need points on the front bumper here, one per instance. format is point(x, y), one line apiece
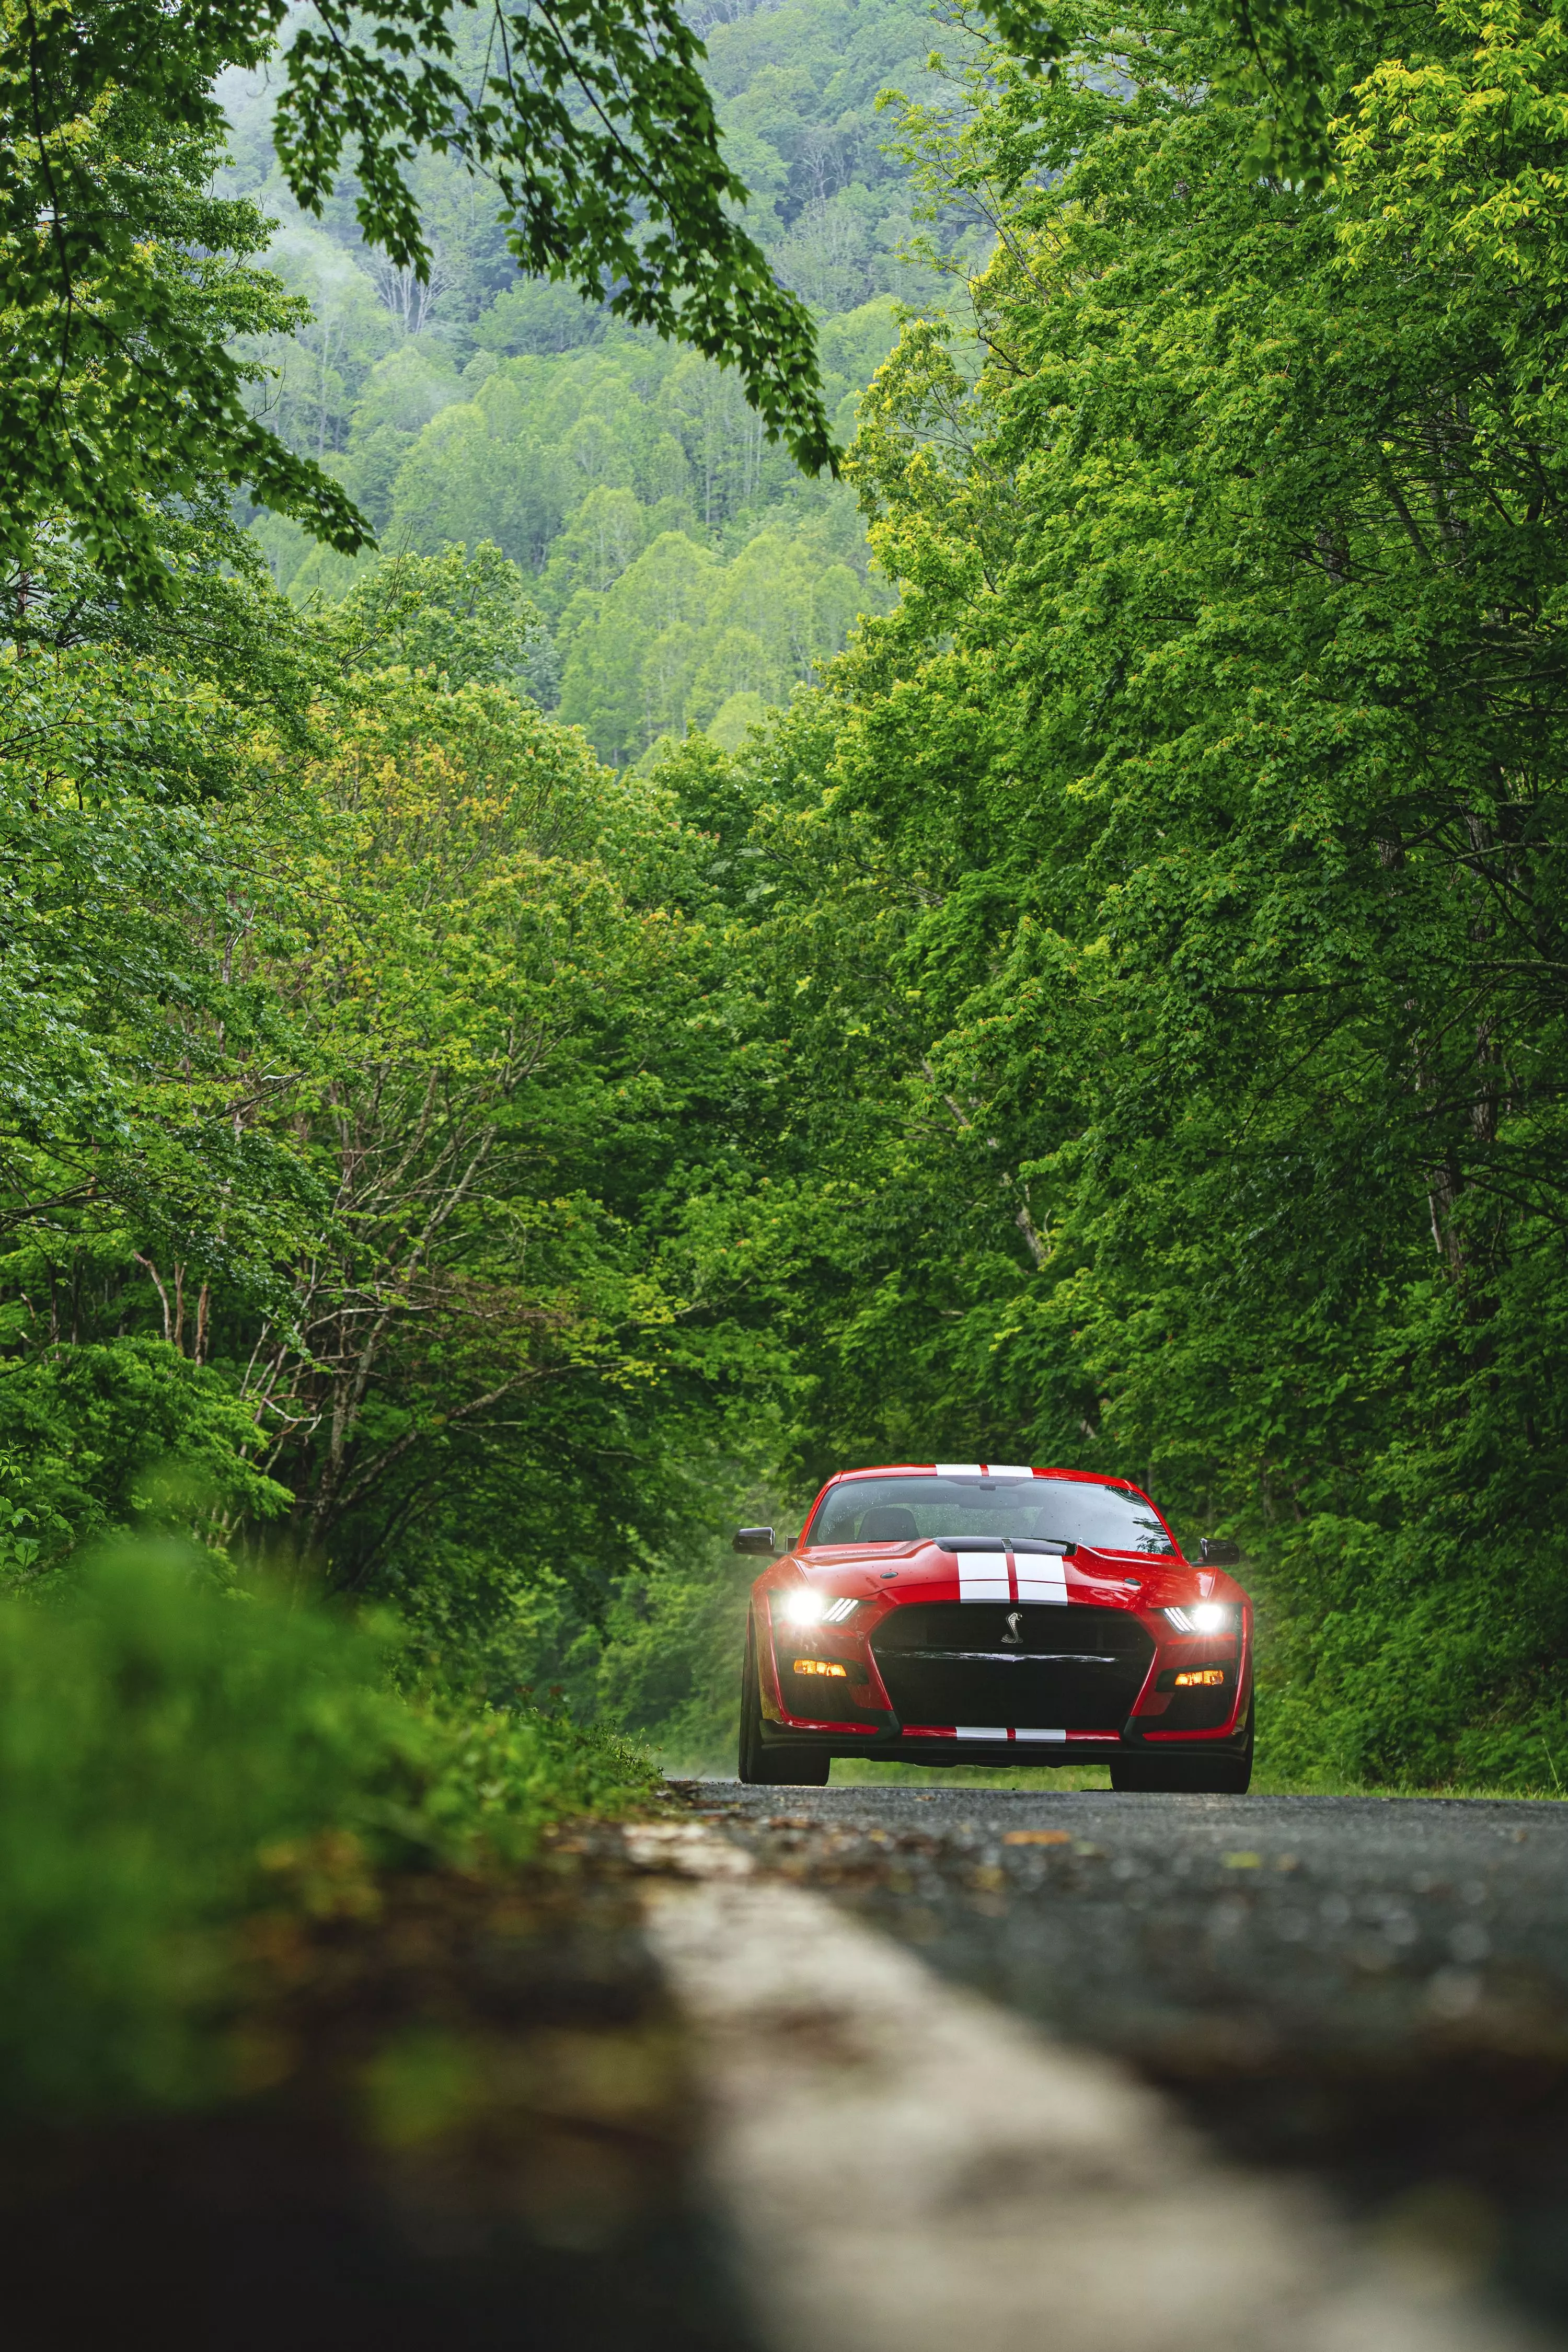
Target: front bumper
point(971, 1745)
point(1107, 1711)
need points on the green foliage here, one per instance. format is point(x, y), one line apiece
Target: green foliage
point(1116, 1017)
point(578, 469)
point(110, 1434)
point(634, 487)
point(1283, 54)
point(467, 618)
point(477, 408)
point(668, 1667)
point(677, 636)
point(1158, 917)
point(377, 1110)
point(174, 1759)
point(129, 836)
point(663, 1662)
point(594, 125)
point(124, 281)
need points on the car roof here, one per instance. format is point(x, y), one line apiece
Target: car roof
point(982, 1470)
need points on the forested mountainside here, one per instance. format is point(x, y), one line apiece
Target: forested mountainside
point(510, 1065)
point(687, 575)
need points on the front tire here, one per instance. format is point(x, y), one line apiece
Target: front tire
point(1152, 1774)
point(771, 1768)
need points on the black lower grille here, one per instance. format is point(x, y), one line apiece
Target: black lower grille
point(1033, 1668)
point(1203, 1708)
point(823, 1698)
point(1197, 1710)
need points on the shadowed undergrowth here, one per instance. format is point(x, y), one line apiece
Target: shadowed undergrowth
point(176, 1762)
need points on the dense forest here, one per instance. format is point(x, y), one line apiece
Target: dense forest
point(687, 574)
point(552, 1016)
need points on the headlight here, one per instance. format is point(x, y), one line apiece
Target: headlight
point(1203, 1617)
point(805, 1606)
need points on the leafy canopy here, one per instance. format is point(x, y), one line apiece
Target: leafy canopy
point(1171, 970)
point(591, 120)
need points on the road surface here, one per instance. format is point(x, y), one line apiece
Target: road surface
point(765, 2073)
point(1373, 1991)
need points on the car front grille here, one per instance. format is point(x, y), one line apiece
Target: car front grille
point(1040, 1669)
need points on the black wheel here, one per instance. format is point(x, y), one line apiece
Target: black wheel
point(1218, 1775)
point(1196, 1776)
point(771, 1768)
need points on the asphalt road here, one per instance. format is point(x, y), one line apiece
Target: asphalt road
point(1374, 1991)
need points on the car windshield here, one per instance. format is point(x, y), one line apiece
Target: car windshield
point(1059, 1510)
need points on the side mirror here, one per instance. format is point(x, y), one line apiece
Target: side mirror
point(755, 1539)
point(1218, 1551)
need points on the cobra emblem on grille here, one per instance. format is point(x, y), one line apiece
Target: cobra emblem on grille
point(1014, 1626)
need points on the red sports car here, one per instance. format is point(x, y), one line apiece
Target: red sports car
point(971, 1612)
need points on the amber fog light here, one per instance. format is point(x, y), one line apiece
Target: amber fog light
point(1202, 1678)
point(821, 1666)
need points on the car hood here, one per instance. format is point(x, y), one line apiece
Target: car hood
point(1112, 1578)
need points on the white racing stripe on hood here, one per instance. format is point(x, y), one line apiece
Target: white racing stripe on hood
point(1007, 1470)
point(1041, 1578)
point(957, 1469)
point(982, 1576)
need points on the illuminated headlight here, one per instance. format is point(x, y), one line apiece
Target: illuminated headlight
point(804, 1607)
point(1203, 1617)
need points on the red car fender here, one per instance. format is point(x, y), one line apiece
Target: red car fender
point(828, 1642)
point(1237, 1715)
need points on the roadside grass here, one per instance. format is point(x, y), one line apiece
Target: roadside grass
point(178, 1762)
point(1265, 1784)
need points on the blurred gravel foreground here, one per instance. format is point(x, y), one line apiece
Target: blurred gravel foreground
point(852, 2070)
point(472, 2125)
point(1369, 1995)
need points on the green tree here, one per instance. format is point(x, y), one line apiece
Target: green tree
point(124, 282)
point(467, 618)
point(1160, 912)
point(377, 1175)
point(593, 125)
point(137, 1057)
point(628, 649)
